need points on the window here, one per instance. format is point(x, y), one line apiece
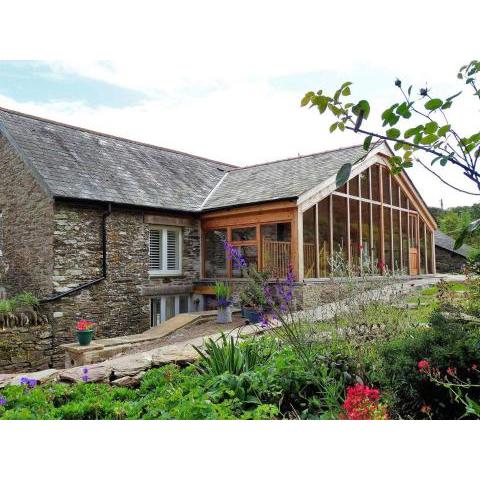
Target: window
point(165, 251)
point(167, 306)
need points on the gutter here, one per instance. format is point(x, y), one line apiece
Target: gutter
point(105, 215)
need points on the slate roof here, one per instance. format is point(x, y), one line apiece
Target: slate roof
point(77, 163)
point(281, 179)
point(81, 164)
point(446, 242)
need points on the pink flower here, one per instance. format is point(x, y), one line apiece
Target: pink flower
point(424, 366)
point(452, 371)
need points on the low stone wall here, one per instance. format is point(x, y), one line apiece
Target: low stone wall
point(26, 349)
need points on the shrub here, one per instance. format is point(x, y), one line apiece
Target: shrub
point(227, 355)
point(448, 343)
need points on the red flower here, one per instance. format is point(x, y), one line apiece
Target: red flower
point(362, 403)
point(452, 371)
point(424, 366)
point(426, 409)
point(84, 325)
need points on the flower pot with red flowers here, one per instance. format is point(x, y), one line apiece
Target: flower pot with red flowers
point(84, 329)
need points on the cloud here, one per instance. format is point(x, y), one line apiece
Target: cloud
point(224, 80)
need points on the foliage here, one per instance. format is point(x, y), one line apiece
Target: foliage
point(226, 354)
point(460, 390)
point(428, 128)
point(277, 388)
point(449, 342)
point(253, 294)
point(24, 300)
point(223, 291)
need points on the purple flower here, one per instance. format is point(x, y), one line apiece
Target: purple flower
point(85, 370)
point(85, 375)
point(223, 302)
point(234, 255)
point(3, 401)
point(28, 382)
point(264, 321)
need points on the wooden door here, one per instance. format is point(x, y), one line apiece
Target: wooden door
point(413, 242)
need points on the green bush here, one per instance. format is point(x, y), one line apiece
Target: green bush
point(448, 343)
point(227, 354)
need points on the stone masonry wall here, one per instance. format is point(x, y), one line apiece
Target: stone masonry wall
point(26, 349)
point(27, 211)
point(120, 304)
point(448, 262)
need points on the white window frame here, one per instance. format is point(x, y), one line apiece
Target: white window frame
point(165, 272)
point(163, 307)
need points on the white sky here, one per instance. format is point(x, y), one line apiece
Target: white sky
point(224, 79)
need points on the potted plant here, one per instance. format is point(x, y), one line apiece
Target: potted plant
point(84, 329)
point(223, 292)
point(252, 297)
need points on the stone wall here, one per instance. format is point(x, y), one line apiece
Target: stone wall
point(449, 262)
point(120, 305)
point(26, 349)
point(27, 237)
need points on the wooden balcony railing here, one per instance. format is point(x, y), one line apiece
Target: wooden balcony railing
point(276, 257)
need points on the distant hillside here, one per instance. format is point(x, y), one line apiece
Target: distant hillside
point(453, 220)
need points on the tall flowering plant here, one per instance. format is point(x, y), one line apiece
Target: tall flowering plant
point(461, 389)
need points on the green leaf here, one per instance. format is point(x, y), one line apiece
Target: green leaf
point(346, 92)
point(341, 126)
point(306, 99)
point(431, 127)
point(333, 127)
point(449, 99)
point(410, 132)
point(446, 105)
point(428, 139)
point(364, 106)
point(442, 131)
point(367, 142)
point(343, 174)
point(393, 133)
point(433, 104)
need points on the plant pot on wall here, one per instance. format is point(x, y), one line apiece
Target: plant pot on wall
point(84, 337)
point(224, 315)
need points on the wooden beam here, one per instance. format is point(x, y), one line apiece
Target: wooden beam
point(349, 254)
point(204, 289)
point(249, 219)
point(317, 243)
point(259, 208)
point(229, 262)
point(330, 222)
point(382, 229)
point(297, 246)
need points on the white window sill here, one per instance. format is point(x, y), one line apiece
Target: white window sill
point(172, 273)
